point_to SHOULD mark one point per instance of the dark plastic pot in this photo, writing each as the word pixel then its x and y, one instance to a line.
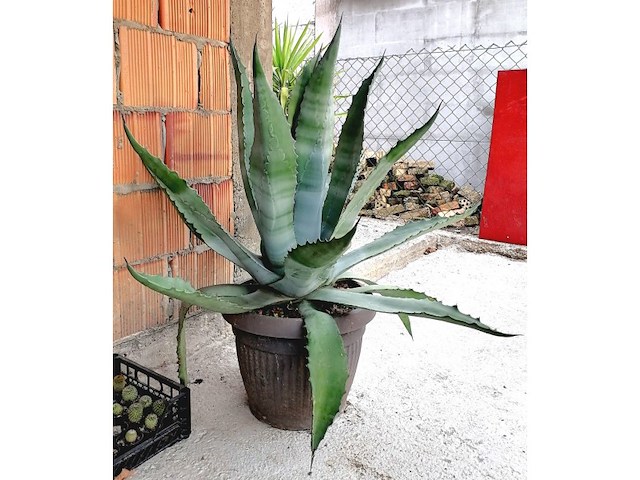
pixel 272 358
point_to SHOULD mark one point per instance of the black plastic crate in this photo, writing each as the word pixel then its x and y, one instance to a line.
pixel 173 426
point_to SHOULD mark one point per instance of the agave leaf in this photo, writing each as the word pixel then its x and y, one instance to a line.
pixel 293 107
pixel 407 301
pixel 404 318
pixel 272 171
pixel 406 321
pixel 229 290
pixel 182 290
pixel 396 237
pixel 309 266
pixel 347 157
pixel 252 297
pixel 246 130
pixel 328 369
pixel 198 217
pixel 391 291
pixel 376 176
pixel 247 296
pixel 314 142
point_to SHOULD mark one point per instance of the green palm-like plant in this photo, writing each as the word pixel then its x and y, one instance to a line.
pixel 305 222
pixel 290 50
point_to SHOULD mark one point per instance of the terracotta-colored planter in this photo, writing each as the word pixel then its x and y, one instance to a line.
pixel 272 358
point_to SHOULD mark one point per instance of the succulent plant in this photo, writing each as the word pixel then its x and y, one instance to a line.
pixel 119 382
pixel 159 406
pixel 135 412
pixel 129 394
pixel 131 435
pixel 290 49
pixel 306 213
pixel 118 409
pixel 151 421
pixel 145 400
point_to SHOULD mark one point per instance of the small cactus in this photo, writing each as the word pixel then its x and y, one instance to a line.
pixel 131 436
pixel 151 421
pixel 119 382
pixel 145 400
pixel 129 394
pixel 159 406
pixel 117 409
pixel 135 412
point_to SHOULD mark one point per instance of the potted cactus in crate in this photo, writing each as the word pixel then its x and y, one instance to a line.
pixel 301 293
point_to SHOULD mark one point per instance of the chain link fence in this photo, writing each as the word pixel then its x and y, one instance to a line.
pixel 409 88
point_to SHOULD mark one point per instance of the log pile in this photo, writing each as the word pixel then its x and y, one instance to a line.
pixel 412 190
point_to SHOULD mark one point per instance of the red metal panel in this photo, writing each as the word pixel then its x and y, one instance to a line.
pixel 504 207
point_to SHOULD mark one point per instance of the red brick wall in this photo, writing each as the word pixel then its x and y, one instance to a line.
pixel 171 81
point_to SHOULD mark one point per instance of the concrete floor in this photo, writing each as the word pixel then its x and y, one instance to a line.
pixel 451 404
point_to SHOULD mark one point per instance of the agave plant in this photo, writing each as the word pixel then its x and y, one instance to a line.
pixel 300 199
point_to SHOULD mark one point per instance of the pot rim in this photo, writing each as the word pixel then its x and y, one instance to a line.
pixel 293 328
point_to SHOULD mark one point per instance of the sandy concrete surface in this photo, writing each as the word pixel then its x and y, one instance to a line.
pixel 450 404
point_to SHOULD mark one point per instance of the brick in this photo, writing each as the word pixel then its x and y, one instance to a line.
pixel 449 206
pixel 430 197
pixel 157 70
pixel 402 193
pixel 117 308
pixel 146 224
pixel 198 145
pixel 203 18
pixel 126 228
pixel 138 307
pixel 417 213
pixel 417 171
pixel 406 178
pixel 214 73
pixel 118 313
pixel 115 90
pixel 147 130
pixel 470 194
pixel 388 211
pixel 177 234
pixel 471 221
pixel 447 184
pixel 219 198
pixel 201 270
pixel 140 11
pixel 421 166
pixel 411 204
pixel 152 223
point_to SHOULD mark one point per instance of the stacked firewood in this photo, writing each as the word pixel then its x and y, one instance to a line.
pixel 413 190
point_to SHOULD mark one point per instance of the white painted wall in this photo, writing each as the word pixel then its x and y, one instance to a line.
pixel 296 11
pixel 372 27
